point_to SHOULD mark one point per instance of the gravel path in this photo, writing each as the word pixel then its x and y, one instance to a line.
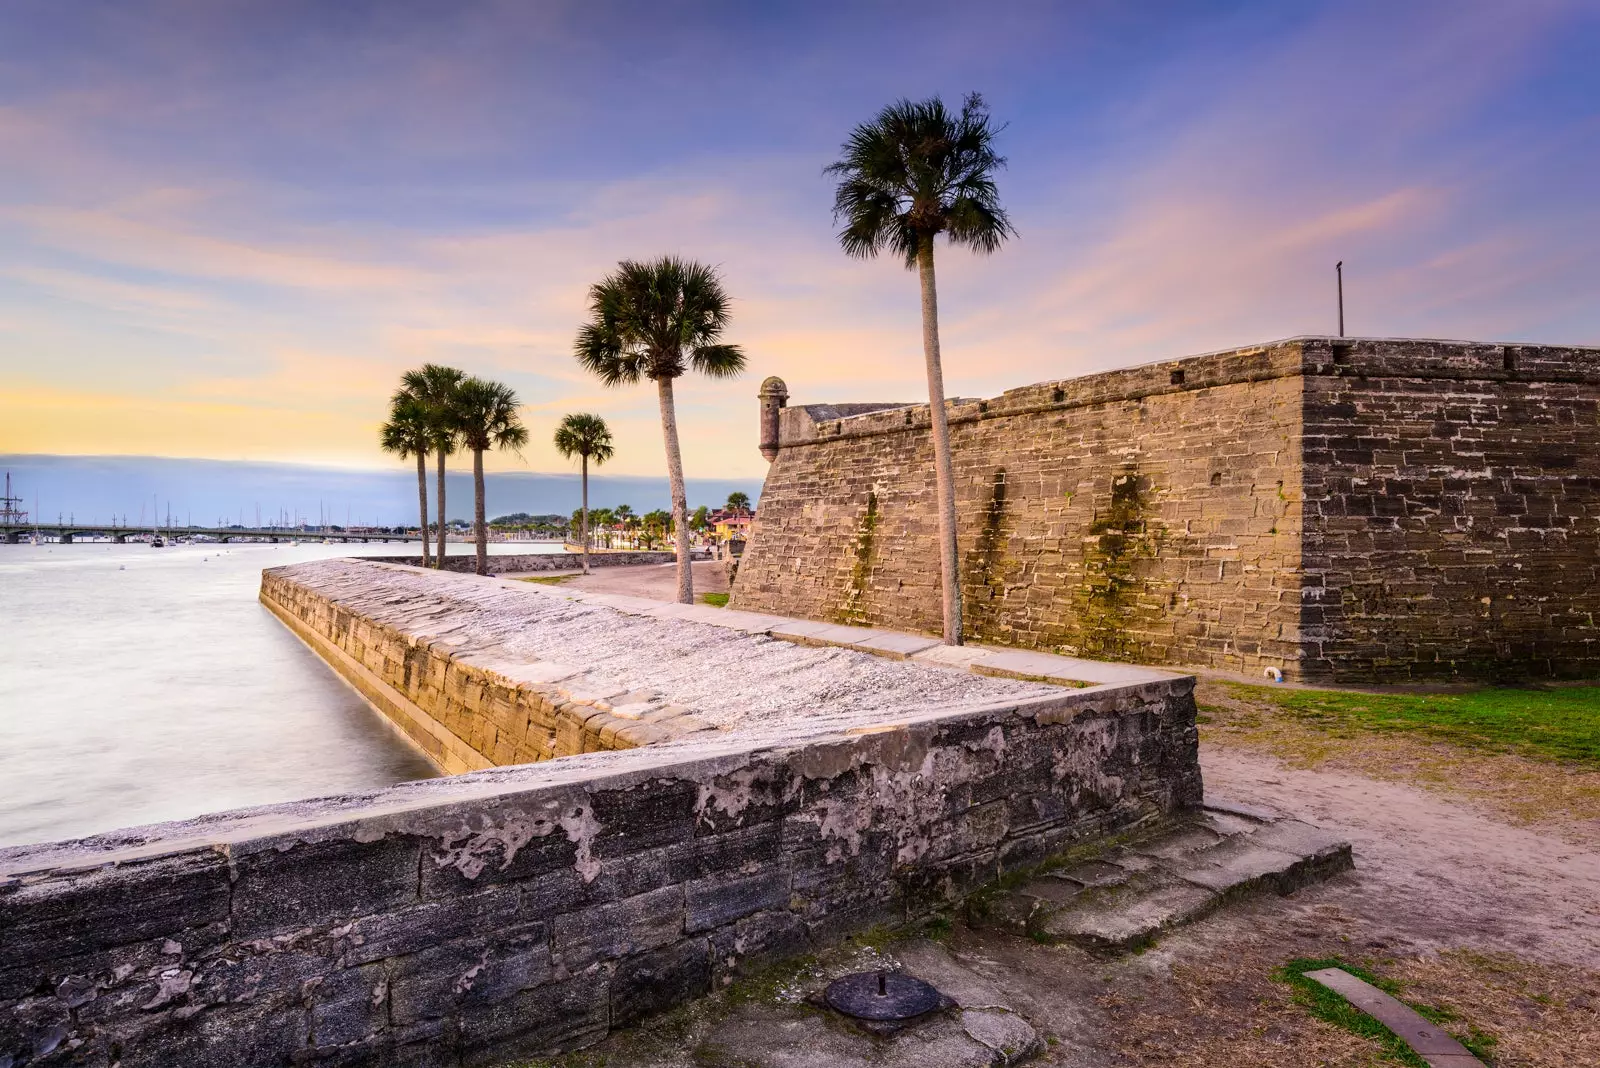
pixel 724 676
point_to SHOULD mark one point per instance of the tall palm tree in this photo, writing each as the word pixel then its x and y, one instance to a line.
pixel 913 173
pixel 409 433
pixel 625 518
pixel 484 414
pixel 434 387
pixel 657 320
pixel 588 438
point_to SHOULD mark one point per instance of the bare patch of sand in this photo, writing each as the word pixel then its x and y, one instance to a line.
pixel 1559 799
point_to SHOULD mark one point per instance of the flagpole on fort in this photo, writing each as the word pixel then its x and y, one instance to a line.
pixel 1338 271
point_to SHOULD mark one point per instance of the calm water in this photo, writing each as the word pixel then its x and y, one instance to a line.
pixel 141 684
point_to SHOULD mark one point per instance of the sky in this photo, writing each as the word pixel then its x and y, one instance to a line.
pixel 226 228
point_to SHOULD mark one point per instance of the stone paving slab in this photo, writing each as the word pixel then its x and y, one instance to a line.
pixel 1131 893
pixel 1429 1041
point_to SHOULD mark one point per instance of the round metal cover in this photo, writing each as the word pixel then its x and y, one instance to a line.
pixel 881 996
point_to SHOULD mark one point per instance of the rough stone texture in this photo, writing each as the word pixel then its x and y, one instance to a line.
pixel 1349 509
pixel 467 667
pixel 521 910
pixel 1129 894
pixel 523 563
pixel 1452 511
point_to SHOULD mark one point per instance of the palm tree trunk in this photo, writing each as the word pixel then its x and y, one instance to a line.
pixel 680 500
pixel 943 469
pixel 480 527
pixel 422 501
pixel 584 461
pixel 441 510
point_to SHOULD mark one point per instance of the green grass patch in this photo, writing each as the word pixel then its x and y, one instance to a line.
pixel 716 600
pixel 1562 723
pixel 547 580
pixel 1334 1009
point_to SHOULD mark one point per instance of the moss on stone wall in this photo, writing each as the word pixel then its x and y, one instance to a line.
pixel 854 608
pixel 987 571
pixel 1118 541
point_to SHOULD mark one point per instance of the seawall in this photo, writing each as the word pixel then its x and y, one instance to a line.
pixel 522 910
pixel 1340 509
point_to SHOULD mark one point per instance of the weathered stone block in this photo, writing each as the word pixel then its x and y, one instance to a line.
pixel 409 929
pixel 102 908
pixel 659 979
pixel 315 883
pixel 720 899
pixel 546 1019
pixel 629 926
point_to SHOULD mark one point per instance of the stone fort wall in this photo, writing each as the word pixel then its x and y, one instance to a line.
pixel 1340 509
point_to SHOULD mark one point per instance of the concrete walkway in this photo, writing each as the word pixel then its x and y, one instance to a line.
pixel 897 645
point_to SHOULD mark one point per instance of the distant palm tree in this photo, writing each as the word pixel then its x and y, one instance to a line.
pixel 434 387
pixel 409 433
pixel 655 524
pixel 602 519
pixel 485 417
pixel 588 438
pixel 738 502
pixel 910 174
pixel 625 518
pixel 657 320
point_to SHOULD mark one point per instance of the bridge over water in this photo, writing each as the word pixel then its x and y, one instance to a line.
pixel 65 532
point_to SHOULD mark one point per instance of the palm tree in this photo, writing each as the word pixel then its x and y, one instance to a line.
pixel 910 174
pixel 484 414
pixel 588 438
pixel 409 433
pixel 657 320
pixel 601 519
pixel 435 387
pixel 738 502
pixel 656 524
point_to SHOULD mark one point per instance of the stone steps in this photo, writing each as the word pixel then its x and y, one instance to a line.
pixel 1126 897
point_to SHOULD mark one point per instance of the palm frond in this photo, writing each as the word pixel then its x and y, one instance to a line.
pixel 485 416
pixel 408 431
pixel 916 171
pixel 718 361
pixel 648 319
pixel 582 434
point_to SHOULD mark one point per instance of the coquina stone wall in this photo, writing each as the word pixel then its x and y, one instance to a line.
pixel 1340 509
pixel 1452 502
pixel 464 715
pixel 519 911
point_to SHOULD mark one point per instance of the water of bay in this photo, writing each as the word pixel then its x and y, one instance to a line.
pixel 140 685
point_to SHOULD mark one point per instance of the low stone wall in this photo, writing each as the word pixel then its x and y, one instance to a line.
pixel 516 563
pixel 465 715
pixel 522 910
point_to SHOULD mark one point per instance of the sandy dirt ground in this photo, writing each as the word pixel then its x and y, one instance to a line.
pixel 1495 924
pixel 1476 889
